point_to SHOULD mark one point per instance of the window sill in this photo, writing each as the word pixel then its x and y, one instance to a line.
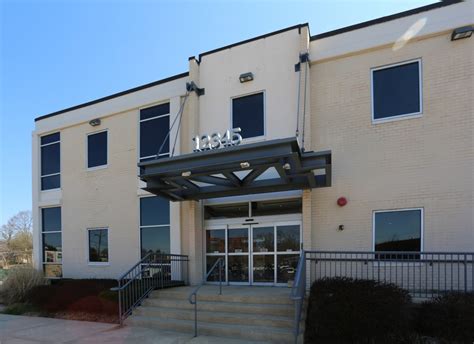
pixel 397 118
pixel 95 168
pixel 98 264
pixel 51 190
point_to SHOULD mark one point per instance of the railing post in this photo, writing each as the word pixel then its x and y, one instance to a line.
pixel 220 276
pixel 465 273
pixel 195 316
pixel 120 301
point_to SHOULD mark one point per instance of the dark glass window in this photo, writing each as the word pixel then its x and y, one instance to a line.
pixel 154 225
pixel 396 90
pixel 288 238
pixel 238 240
pixel 226 211
pixel 50 162
pixel 263 239
pixel 155 111
pixel 277 207
pixel 398 230
pixel 51 219
pixel 97 149
pixel 155 240
pixel 154 211
pixel 286 264
pixel 50 138
pixel 215 241
pixel 154 127
pixel 98 245
pixel 248 114
pixel 51 241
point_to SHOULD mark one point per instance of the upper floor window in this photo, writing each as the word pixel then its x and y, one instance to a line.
pixel 97 149
pixel 398 230
pixel 154 127
pixel 50 162
pixel 396 91
pixel 248 114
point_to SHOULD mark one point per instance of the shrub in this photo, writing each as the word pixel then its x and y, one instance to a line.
pixel 344 310
pixel 449 317
pixel 19 309
pixel 19 282
pixel 67 295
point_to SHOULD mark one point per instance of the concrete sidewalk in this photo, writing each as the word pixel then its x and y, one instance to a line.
pixel 28 330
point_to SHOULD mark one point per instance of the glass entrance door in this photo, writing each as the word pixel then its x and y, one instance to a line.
pixel 256 254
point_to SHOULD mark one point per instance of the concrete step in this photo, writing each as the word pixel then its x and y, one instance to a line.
pixel 176 293
pixel 256 333
pixel 263 320
pixel 217 306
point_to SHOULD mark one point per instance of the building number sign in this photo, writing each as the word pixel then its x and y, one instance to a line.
pixel 231 137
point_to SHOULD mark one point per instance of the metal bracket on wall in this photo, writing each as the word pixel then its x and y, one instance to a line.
pixel 191 86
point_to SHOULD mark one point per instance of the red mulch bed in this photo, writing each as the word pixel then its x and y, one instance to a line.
pixel 88 299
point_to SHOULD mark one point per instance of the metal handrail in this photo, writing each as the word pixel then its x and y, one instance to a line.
pixel 140 280
pixel 219 262
pixel 297 293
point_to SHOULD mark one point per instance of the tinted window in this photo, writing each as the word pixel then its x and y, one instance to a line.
pixel 51 219
pixel 398 230
pixel 51 182
pixel 153 132
pixel 396 90
pixel 50 138
pixel 154 225
pixel 97 149
pixel 155 240
pixel 276 207
pixel 154 111
pixel 154 211
pixel 224 211
pixel 98 245
pixel 247 114
pixel 50 159
pixel 52 248
pixel 215 241
pixel 288 238
pixel 50 162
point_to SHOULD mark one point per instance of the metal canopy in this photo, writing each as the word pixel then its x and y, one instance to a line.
pixel 237 170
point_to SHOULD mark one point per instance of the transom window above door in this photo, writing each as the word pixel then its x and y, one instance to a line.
pixel 154 127
pixel 248 114
pixel 252 209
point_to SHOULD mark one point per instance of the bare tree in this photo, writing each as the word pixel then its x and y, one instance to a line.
pixel 17 239
pixel 19 223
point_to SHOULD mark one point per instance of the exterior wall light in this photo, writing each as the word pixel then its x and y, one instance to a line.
pixel 244 165
pixel 186 174
pixel 246 77
pixel 287 166
pixel 462 32
pixel 95 122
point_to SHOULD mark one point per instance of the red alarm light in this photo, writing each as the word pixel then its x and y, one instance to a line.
pixel 341 201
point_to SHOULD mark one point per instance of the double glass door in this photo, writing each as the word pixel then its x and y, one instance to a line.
pixel 255 254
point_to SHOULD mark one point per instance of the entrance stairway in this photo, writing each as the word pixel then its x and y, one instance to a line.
pixel 249 313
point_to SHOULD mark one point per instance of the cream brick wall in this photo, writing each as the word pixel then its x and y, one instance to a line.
pixel 104 197
pixel 420 162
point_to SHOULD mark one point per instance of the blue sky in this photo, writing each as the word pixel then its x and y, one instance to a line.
pixel 56 54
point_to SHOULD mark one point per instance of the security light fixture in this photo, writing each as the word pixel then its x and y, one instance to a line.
pixel 462 32
pixel 95 122
pixel 186 174
pixel 244 165
pixel 287 166
pixel 246 77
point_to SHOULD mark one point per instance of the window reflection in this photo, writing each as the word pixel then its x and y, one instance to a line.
pixel 288 238
pixel 238 240
pixel 263 239
pixel 215 241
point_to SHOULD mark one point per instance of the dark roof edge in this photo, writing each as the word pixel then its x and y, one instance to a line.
pixel 115 95
pixel 386 19
pixel 298 26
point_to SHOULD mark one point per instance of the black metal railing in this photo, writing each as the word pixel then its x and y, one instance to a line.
pixel 154 271
pixel 423 274
pixel 298 292
pixel 220 263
